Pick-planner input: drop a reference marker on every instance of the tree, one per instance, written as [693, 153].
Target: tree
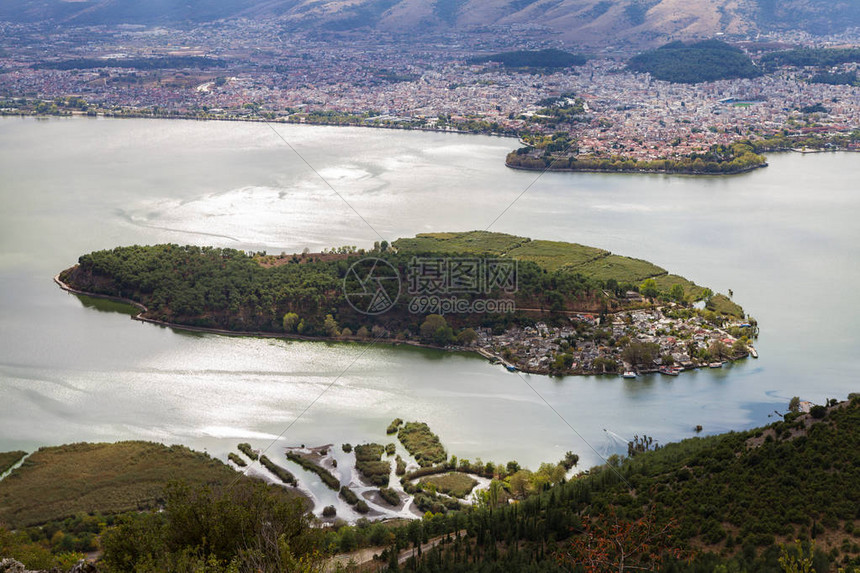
[291, 320]
[676, 293]
[435, 329]
[520, 482]
[570, 460]
[795, 559]
[467, 337]
[794, 404]
[641, 445]
[330, 325]
[251, 524]
[612, 286]
[649, 289]
[611, 544]
[641, 353]
[718, 350]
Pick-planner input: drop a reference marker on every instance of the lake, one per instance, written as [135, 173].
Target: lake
[785, 239]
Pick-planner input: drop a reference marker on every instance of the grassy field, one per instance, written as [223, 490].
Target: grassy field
[691, 290]
[9, 459]
[551, 255]
[423, 444]
[454, 483]
[469, 242]
[721, 304]
[58, 482]
[622, 269]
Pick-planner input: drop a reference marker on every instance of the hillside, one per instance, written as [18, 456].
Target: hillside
[721, 503]
[540, 59]
[697, 62]
[585, 22]
[58, 482]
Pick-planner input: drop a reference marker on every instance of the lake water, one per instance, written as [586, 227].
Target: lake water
[786, 239]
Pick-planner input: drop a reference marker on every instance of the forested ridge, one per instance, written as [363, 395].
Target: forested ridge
[705, 61]
[721, 503]
[817, 57]
[533, 59]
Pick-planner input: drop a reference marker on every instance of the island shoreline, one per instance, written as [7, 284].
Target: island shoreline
[483, 353]
[639, 171]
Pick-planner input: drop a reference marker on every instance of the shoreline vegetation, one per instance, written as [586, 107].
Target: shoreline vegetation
[578, 309]
[766, 488]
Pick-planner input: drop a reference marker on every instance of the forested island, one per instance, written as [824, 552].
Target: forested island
[571, 308]
[776, 498]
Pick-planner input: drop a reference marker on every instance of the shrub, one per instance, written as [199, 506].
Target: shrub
[389, 495]
[368, 463]
[326, 476]
[348, 495]
[423, 444]
[283, 473]
[246, 449]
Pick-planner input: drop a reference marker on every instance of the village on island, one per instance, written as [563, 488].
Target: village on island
[634, 342]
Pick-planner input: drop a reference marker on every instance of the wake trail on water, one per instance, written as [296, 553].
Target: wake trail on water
[129, 219]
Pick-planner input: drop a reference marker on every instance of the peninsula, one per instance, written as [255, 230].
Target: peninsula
[539, 306]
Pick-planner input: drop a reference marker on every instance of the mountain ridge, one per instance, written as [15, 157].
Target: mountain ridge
[587, 22]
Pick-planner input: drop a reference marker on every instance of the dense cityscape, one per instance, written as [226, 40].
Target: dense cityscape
[245, 70]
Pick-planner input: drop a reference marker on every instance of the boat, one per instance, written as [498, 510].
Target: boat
[511, 368]
[715, 365]
[670, 370]
[753, 351]
[629, 374]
